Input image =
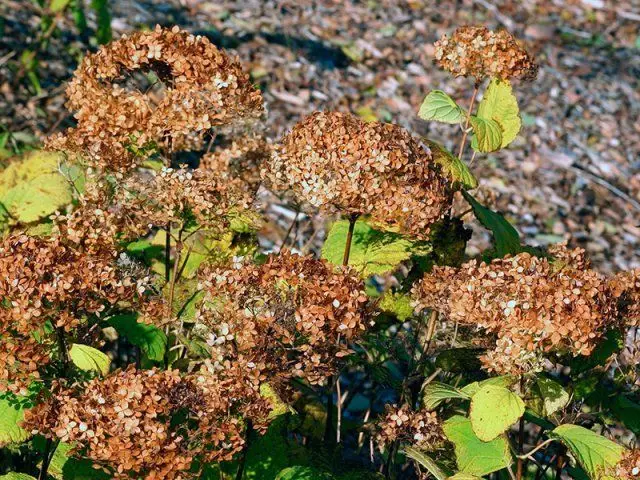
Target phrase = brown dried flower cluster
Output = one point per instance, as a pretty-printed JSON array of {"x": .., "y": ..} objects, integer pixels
[
  {"x": 51, "y": 279},
  {"x": 290, "y": 317},
  {"x": 204, "y": 88},
  {"x": 404, "y": 425},
  {"x": 240, "y": 161},
  {"x": 532, "y": 304},
  {"x": 339, "y": 163},
  {"x": 153, "y": 423},
  {"x": 628, "y": 286},
  {"x": 629, "y": 466},
  {"x": 479, "y": 52}
]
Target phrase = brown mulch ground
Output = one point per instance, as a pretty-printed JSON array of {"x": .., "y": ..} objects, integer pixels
[{"x": 573, "y": 173}]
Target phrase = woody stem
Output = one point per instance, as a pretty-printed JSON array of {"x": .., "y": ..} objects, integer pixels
[
  {"x": 347, "y": 247},
  {"x": 466, "y": 123}
]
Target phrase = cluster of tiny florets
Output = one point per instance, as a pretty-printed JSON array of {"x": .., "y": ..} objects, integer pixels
[
  {"x": 629, "y": 466},
  {"x": 204, "y": 88},
  {"x": 339, "y": 163},
  {"x": 127, "y": 421},
  {"x": 480, "y": 53},
  {"x": 290, "y": 317},
  {"x": 532, "y": 304},
  {"x": 421, "y": 428}
]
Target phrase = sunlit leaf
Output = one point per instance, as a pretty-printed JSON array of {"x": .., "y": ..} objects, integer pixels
[
  {"x": 11, "y": 414},
  {"x": 452, "y": 166},
  {"x": 554, "y": 397},
  {"x": 151, "y": 340},
  {"x": 493, "y": 410},
  {"x": 487, "y": 134},
  {"x": 436, "y": 392},
  {"x": 427, "y": 462},
  {"x": 500, "y": 104},
  {"x": 440, "y": 107},
  {"x": 89, "y": 359}
]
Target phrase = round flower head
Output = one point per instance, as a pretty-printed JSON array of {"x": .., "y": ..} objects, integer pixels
[
  {"x": 479, "y": 52},
  {"x": 402, "y": 424},
  {"x": 627, "y": 284},
  {"x": 338, "y": 163},
  {"x": 533, "y": 304},
  {"x": 126, "y": 422},
  {"x": 204, "y": 88},
  {"x": 291, "y": 316}
]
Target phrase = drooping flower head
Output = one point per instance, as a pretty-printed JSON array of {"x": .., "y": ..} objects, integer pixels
[
  {"x": 339, "y": 163},
  {"x": 480, "y": 53},
  {"x": 532, "y": 304},
  {"x": 290, "y": 317},
  {"x": 204, "y": 88}
]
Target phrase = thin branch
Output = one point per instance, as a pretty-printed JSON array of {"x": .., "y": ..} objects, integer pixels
[
  {"x": 476, "y": 87},
  {"x": 530, "y": 455}
]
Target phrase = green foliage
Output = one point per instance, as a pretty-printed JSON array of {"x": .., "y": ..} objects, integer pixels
[
  {"x": 596, "y": 454},
  {"x": 63, "y": 466},
  {"x": 504, "y": 381},
  {"x": 500, "y": 105},
  {"x": 303, "y": 473},
  {"x": 11, "y": 414},
  {"x": 452, "y": 166},
  {"x": 89, "y": 359},
  {"x": 58, "y": 5},
  {"x": 474, "y": 456},
  {"x": 436, "y": 392},
  {"x": 151, "y": 340},
  {"x": 427, "y": 462},
  {"x": 398, "y": 304},
  {"x": 553, "y": 396},
  {"x": 493, "y": 410},
  {"x": 487, "y": 134},
  {"x": 440, "y": 107},
  {"x": 16, "y": 476},
  {"x": 372, "y": 251},
  {"x": 103, "y": 16}
]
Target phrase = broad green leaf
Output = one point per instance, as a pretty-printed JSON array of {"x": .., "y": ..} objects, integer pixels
[
  {"x": 268, "y": 454},
  {"x": 398, "y": 304},
  {"x": 372, "y": 251},
  {"x": 554, "y": 397},
  {"x": 440, "y": 107},
  {"x": 596, "y": 454},
  {"x": 151, "y": 340},
  {"x": 487, "y": 134},
  {"x": 278, "y": 406},
  {"x": 89, "y": 359},
  {"x": 500, "y": 104},
  {"x": 299, "y": 472},
  {"x": 435, "y": 393},
  {"x": 627, "y": 411},
  {"x": 493, "y": 410},
  {"x": 502, "y": 381},
  {"x": 463, "y": 476},
  {"x": 58, "y": 5},
  {"x": 505, "y": 237},
  {"x": 427, "y": 462},
  {"x": 65, "y": 467},
  {"x": 11, "y": 414},
  {"x": 16, "y": 476},
  {"x": 452, "y": 165},
  {"x": 473, "y": 456}
]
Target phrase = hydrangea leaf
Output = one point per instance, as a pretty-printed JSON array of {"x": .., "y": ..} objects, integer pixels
[
  {"x": 473, "y": 456},
  {"x": 554, "y": 397},
  {"x": 151, "y": 340},
  {"x": 435, "y": 393},
  {"x": 58, "y": 5},
  {"x": 427, "y": 462},
  {"x": 398, "y": 304},
  {"x": 63, "y": 466},
  {"x": 500, "y": 104},
  {"x": 464, "y": 476},
  {"x": 452, "y": 166},
  {"x": 372, "y": 251},
  {"x": 440, "y": 107},
  {"x": 16, "y": 476},
  {"x": 89, "y": 359},
  {"x": 493, "y": 410},
  {"x": 11, "y": 414},
  {"x": 501, "y": 381},
  {"x": 487, "y": 134},
  {"x": 596, "y": 454},
  {"x": 300, "y": 472}
]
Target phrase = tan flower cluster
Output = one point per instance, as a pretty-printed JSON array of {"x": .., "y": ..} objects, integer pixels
[
  {"x": 46, "y": 279},
  {"x": 152, "y": 424},
  {"x": 182, "y": 195},
  {"x": 240, "y": 161},
  {"x": 479, "y": 52},
  {"x": 204, "y": 88},
  {"x": 404, "y": 425},
  {"x": 629, "y": 466},
  {"x": 628, "y": 286},
  {"x": 339, "y": 163},
  {"x": 290, "y": 317},
  {"x": 533, "y": 305}
]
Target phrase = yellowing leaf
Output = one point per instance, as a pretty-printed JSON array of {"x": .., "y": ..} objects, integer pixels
[
  {"x": 553, "y": 396},
  {"x": 452, "y": 165},
  {"x": 500, "y": 104},
  {"x": 493, "y": 410},
  {"x": 487, "y": 134},
  {"x": 440, "y": 107},
  {"x": 435, "y": 393},
  {"x": 11, "y": 414},
  {"x": 89, "y": 359}
]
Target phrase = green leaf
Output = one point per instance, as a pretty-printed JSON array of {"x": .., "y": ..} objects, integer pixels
[
  {"x": 302, "y": 473},
  {"x": 474, "y": 456},
  {"x": 502, "y": 381},
  {"x": 58, "y": 5},
  {"x": 63, "y": 466},
  {"x": 452, "y": 165},
  {"x": 427, "y": 462},
  {"x": 612, "y": 343},
  {"x": 89, "y": 359},
  {"x": 435, "y": 393},
  {"x": 11, "y": 414},
  {"x": 596, "y": 454},
  {"x": 16, "y": 476},
  {"x": 493, "y": 410},
  {"x": 398, "y": 304},
  {"x": 464, "y": 476},
  {"x": 554, "y": 397},
  {"x": 440, "y": 107},
  {"x": 505, "y": 237},
  {"x": 627, "y": 411},
  {"x": 151, "y": 340},
  {"x": 103, "y": 16},
  {"x": 487, "y": 134},
  {"x": 372, "y": 251},
  {"x": 500, "y": 104}
]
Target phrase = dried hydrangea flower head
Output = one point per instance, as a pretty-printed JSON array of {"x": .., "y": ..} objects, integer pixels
[
  {"x": 52, "y": 280},
  {"x": 629, "y": 466},
  {"x": 627, "y": 284},
  {"x": 339, "y": 163},
  {"x": 291, "y": 316},
  {"x": 239, "y": 161},
  {"x": 532, "y": 304},
  {"x": 404, "y": 425},
  {"x": 125, "y": 421},
  {"x": 480, "y": 53},
  {"x": 204, "y": 88}
]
